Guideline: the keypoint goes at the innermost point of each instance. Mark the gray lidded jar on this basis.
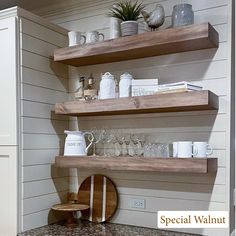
(182, 15)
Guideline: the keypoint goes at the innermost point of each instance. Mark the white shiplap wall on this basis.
(209, 68)
(43, 84)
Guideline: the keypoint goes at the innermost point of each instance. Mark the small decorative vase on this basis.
(182, 15)
(129, 28)
(114, 28)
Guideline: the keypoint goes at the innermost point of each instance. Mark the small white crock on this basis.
(125, 85)
(107, 86)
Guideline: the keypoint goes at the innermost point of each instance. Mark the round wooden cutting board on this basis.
(100, 193)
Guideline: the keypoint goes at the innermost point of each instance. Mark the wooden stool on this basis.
(70, 209)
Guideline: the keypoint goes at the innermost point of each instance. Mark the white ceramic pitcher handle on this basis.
(209, 150)
(195, 150)
(102, 36)
(90, 140)
(84, 39)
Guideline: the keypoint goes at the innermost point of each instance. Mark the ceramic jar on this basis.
(107, 86)
(182, 15)
(125, 85)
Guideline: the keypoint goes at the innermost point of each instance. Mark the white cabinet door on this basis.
(8, 88)
(8, 190)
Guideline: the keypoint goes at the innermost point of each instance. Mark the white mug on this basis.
(175, 149)
(94, 36)
(75, 38)
(184, 149)
(203, 149)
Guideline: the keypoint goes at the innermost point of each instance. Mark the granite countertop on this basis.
(86, 228)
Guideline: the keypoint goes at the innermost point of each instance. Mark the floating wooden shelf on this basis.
(176, 165)
(172, 102)
(173, 40)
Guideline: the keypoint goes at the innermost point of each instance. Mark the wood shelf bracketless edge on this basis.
(168, 41)
(172, 165)
(172, 102)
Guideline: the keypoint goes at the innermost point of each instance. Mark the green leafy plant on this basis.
(126, 10)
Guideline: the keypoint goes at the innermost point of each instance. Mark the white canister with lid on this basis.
(125, 85)
(107, 86)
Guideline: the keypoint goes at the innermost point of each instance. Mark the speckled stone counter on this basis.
(91, 229)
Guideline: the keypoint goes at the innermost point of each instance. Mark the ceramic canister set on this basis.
(108, 86)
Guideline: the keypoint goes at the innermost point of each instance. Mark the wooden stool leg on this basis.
(71, 221)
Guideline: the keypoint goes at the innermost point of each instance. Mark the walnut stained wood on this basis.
(174, 165)
(100, 193)
(70, 207)
(173, 102)
(173, 40)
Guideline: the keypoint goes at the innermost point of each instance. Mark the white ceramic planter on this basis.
(129, 28)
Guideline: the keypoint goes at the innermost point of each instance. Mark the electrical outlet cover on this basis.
(138, 203)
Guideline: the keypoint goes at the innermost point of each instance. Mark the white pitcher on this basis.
(75, 144)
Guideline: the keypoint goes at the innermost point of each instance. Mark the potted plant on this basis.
(128, 13)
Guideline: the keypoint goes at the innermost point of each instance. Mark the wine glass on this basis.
(142, 140)
(97, 135)
(104, 139)
(117, 142)
(135, 140)
(126, 139)
(110, 141)
(120, 142)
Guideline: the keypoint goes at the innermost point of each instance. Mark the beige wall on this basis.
(43, 83)
(209, 68)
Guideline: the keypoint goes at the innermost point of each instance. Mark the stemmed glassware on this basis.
(97, 136)
(126, 139)
(110, 141)
(119, 143)
(142, 140)
(104, 140)
(136, 144)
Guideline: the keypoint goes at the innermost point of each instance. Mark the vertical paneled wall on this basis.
(208, 68)
(43, 84)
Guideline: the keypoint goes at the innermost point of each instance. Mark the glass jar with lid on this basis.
(182, 15)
